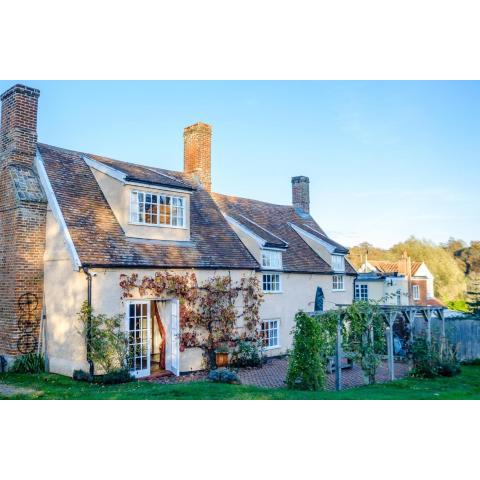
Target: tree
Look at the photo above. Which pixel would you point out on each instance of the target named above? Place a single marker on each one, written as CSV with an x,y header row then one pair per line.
x,y
358,254
474,300
449,278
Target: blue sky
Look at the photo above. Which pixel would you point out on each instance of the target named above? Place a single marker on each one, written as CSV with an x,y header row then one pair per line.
x,y
386,160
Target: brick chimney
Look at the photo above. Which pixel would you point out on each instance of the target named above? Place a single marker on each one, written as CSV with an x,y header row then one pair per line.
x,y
197,158
301,194
18,137
22,224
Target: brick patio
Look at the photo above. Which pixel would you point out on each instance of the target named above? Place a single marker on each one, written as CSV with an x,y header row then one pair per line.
x,y
273,374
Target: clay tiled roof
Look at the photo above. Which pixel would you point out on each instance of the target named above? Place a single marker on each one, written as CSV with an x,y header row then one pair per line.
x,y
99,238
434,302
277,219
415,267
386,266
148,175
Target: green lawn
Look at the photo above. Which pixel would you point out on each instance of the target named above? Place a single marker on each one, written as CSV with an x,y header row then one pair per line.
x,y
49,386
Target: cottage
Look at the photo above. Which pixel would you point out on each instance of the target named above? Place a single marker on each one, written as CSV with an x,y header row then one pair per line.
x,y
72,223
404,282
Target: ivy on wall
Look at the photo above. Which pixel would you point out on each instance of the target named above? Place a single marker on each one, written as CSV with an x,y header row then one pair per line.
x,y
217,312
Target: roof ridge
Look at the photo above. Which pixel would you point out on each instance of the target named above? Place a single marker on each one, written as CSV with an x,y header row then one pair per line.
x,y
252,200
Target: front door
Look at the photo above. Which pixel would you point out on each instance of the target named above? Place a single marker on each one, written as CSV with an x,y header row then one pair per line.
x,y
138,328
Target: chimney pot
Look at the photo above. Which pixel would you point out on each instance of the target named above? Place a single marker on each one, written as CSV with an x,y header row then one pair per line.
x,y
301,194
197,156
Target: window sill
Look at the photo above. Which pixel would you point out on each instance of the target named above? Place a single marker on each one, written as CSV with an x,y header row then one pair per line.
x,y
340,290
137,224
272,292
271,348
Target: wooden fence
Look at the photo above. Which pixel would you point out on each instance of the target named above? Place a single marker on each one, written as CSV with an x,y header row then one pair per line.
x,y
464,334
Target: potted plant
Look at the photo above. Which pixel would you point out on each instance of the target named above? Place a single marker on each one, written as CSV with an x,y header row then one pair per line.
x,y
221,356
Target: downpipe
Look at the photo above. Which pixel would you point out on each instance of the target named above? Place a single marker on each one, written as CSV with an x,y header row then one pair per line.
x,y
89,321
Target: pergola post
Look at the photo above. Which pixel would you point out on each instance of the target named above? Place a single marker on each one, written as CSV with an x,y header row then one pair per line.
x,y
428,317
391,364
338,355
410,314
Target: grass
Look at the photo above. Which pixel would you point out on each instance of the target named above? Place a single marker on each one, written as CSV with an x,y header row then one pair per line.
x,y
49,386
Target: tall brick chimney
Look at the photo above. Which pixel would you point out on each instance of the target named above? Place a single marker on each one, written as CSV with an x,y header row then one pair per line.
x,y
22,224
301,194
197,157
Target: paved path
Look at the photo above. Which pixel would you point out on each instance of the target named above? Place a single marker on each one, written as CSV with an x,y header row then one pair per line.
x,y
274,372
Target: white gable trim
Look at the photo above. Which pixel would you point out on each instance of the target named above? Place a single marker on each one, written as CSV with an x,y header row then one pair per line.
x,y
244,229
264,229
423,271
120,176
52,201
330,248
101,167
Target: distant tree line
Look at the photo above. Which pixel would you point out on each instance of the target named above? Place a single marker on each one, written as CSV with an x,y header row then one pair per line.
x,y
455,265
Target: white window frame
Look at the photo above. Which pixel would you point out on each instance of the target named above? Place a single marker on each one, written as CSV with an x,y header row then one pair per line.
x,y
335,288
416,292
360,296
271,259
271,275
338,263
175,202
270,322
138,373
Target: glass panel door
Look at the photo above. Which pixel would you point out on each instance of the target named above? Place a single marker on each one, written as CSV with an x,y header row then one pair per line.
x,y
138,328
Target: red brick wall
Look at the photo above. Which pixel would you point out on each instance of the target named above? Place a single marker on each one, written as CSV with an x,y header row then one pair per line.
x,y
197,158
422,285
22,225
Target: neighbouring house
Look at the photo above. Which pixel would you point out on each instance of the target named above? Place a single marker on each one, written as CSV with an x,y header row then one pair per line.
x,y
404,282
72,223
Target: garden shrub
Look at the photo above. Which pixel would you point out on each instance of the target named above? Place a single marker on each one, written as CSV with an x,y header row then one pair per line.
x,y
29,363
223,375
448,369
425,358
112,378
107,340
475,361
248,354
431,360
82,376
306,363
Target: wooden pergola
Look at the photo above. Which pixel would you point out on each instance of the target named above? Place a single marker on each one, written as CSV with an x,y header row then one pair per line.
x,y
390,314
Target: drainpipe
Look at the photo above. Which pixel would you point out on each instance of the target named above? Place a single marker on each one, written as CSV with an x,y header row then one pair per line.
x,y
89,320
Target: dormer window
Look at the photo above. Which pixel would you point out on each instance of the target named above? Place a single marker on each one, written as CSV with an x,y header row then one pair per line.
x,y
148,208
271,259
338,263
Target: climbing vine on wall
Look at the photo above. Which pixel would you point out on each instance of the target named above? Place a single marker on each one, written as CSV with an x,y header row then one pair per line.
x,y
217,311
